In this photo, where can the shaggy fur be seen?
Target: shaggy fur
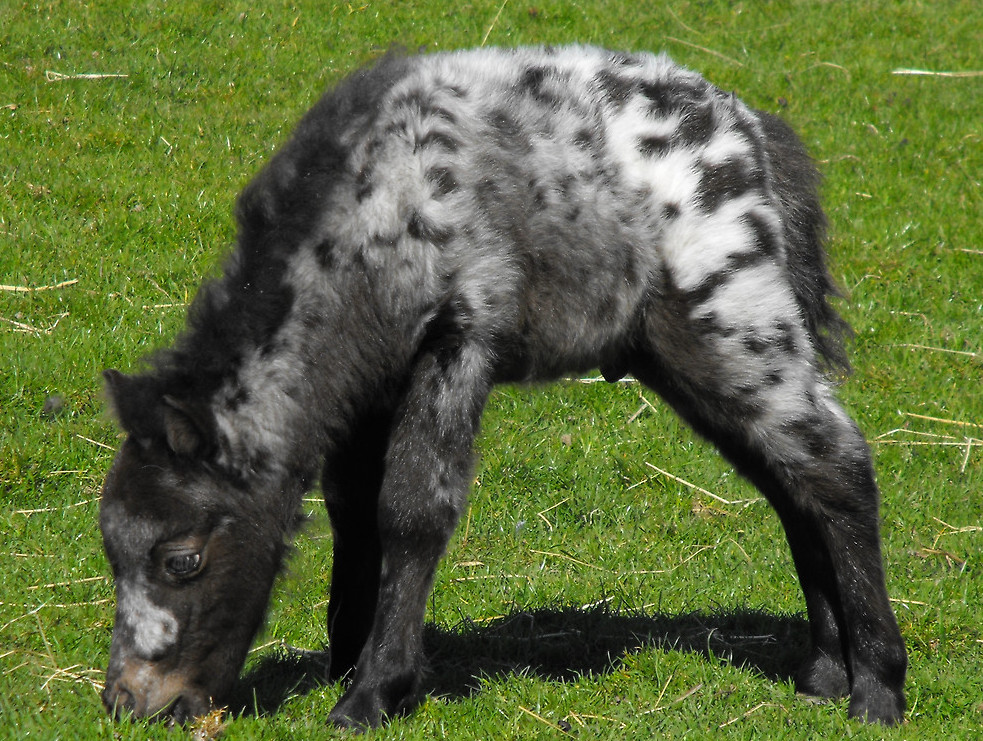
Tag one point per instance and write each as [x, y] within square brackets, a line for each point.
[438, 224]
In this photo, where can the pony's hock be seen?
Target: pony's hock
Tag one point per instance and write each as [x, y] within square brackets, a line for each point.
[435, 225]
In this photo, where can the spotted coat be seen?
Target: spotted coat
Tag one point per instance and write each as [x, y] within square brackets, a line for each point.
[438, 224]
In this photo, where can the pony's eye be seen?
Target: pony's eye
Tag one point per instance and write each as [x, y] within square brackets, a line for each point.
[183, 564]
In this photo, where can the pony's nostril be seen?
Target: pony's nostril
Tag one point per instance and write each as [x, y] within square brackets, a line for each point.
[125, 700]
[118, 701]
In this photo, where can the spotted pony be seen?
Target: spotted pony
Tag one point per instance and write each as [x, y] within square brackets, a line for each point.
[435, 225]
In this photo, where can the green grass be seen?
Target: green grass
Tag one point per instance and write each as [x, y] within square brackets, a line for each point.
[584, 589]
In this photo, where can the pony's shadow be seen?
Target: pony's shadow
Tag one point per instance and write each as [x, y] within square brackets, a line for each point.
[559, 644]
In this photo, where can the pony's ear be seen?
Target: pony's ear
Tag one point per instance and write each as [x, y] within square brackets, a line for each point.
[145, 412]
[189, 428]
[136, 402]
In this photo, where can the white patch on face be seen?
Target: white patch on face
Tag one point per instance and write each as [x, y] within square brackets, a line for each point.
[155, 629]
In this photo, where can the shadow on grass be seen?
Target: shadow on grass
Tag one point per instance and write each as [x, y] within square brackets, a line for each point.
[557, 644]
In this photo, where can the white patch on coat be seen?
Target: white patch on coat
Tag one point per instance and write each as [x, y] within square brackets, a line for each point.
[696, 245]
[757, 297]
[724, 146]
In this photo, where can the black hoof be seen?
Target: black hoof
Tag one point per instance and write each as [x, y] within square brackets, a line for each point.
[874, 702]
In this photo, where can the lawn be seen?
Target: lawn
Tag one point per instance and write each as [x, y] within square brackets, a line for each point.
[612, 578]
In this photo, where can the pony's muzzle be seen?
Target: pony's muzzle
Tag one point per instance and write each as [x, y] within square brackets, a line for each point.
[139, 689]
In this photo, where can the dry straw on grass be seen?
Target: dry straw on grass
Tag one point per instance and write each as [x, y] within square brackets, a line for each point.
[564, 729]
[25, 328]
[209, 726]
[930, 73]
[36, 289]
[36, 331]
[52, 76]
[933, 439]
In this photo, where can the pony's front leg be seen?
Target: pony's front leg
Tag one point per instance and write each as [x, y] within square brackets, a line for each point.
[427, 475]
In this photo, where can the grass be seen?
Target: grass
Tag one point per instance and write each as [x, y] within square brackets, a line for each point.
[586, 593]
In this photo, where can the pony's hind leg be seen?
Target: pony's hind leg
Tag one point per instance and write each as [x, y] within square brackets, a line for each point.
[738, 365]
